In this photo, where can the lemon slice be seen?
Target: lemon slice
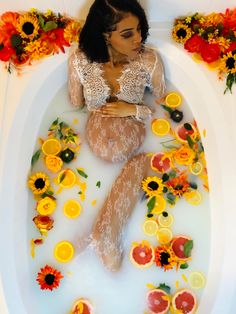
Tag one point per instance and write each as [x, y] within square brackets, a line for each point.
[164, 235]
[165, 219]
[160, 127]
[160, 205]
[173, 100]
[196, 280]
[64, 251]
[150, 227]
[51, 147]
[196, 168]
[194, 197]
[66, 178]
[72, 209]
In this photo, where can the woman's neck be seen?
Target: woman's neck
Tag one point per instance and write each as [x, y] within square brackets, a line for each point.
[117, 58]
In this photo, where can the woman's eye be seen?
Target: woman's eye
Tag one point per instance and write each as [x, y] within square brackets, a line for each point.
[127, 35]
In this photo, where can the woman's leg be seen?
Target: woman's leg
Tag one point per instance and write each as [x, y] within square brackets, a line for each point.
[112, 218]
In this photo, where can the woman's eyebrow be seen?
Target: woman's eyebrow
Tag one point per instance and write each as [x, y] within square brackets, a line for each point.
[125, 30]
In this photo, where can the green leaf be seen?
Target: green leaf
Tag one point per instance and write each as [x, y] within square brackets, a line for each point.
[41, 21]
[80, 192]
[54, 125]
[184, 266]
[230, 80]
[151, 204]
[165, 177]
[171, 196]
[164, 287]
[167, 108]
[82, 173]
[62, 177]
[172, 174]
[188, 248]
[35, 157]
[98, 184]
[190, 141]
[188, 126]
[50, 25]
[16, 40]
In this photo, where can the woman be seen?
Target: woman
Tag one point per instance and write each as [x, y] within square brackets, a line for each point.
[109, 74]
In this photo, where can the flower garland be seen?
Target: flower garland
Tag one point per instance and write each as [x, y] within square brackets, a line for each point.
[212, 39]
[30, 36]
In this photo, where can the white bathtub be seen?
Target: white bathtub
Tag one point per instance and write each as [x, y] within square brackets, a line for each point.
[213, 112]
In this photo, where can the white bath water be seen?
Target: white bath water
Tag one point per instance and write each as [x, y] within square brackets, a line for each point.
[123, 292]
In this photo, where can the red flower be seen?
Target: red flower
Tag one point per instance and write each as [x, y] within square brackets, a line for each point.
[49, 278]
[6, 53]
[194, 44]
[232, 47]
[56, 39]
[210, 52]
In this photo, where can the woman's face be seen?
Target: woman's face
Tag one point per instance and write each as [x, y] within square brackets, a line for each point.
[126, 38]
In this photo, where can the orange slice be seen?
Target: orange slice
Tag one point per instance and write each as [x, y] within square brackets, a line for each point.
[160, 127]
[64, 251]
[160, 205]
[72, 209]
[173, 100]
[51, 147]
[66, 178]
[164, 235]
[150, 227]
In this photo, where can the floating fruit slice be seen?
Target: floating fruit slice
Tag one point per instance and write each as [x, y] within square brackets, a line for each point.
[196, 280]
[142, 254]
[82, 306]
[158, 301]
[160, 127]
[150, 227]
[159, 163]
[64, 251]
[164, 235]
[178, 244]
[51, 147]
[184, 301]
[193, 197]
[165, 219]
[160, 205]
[173, 100]
[196, 168]
[66, 178]
[72, 209]
[46, 206]
[67, 155]
[184, 130]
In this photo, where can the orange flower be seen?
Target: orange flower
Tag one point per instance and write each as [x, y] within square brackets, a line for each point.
[184, 155]
[56, 40]
[43, 223]
[49, 278]
[178, 185]
[53, 163]
[10, 18]
[165, 257]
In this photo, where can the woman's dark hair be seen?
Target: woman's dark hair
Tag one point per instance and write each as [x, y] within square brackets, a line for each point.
[102, 18]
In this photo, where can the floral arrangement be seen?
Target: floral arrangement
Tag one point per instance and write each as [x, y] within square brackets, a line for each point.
[30, 36]
[49, 278]
[212, 39]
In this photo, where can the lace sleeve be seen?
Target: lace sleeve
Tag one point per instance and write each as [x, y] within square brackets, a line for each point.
[143, 113]
[158, 85]
[75, 88]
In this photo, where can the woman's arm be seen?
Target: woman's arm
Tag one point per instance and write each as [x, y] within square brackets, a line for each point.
[75, 88]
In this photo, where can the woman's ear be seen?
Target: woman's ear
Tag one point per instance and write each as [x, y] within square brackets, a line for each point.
[106, 38]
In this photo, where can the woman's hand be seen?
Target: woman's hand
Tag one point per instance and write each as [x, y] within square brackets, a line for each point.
[117, 109]
[160, 100]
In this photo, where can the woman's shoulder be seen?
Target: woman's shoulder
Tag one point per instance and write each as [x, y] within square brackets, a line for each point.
[78, 57]
[150, 57]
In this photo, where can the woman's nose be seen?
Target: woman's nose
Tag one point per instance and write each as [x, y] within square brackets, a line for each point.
[137, 38]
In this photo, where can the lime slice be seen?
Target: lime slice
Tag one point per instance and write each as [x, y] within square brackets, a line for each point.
[160, 127]
[173, 100]
[165, 219]
[197, 280]
[150, 227]
[193, 197]
[64, 251]
[164, 235]
[196, 168]
[51, 147]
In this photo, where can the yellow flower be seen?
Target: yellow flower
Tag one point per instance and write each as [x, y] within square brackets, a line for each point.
[221, 41]
[46, 206]
[53, 163]
[38, 183]
[184, 155]
[228, 63]
[181, 33]
[72, 31]
[28, 26]
[188, 19]
[38, 49]
[43, 223]
[152, 186]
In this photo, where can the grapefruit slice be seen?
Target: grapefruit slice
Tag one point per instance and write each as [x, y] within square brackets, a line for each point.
[158, 301]
[82, 306]
[142, 254]
[184, 301]
[184, 130]
[160, 164]
[178, 244]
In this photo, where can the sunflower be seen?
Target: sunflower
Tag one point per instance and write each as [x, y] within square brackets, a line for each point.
[152, 186]
[165, 257]
[28, 26]
[181, 33]
[178, 185]
[49, 278]
[38, 49]
[228, 63]
[38, 183]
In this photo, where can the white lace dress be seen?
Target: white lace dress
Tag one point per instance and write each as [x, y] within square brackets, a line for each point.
[116, 139]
